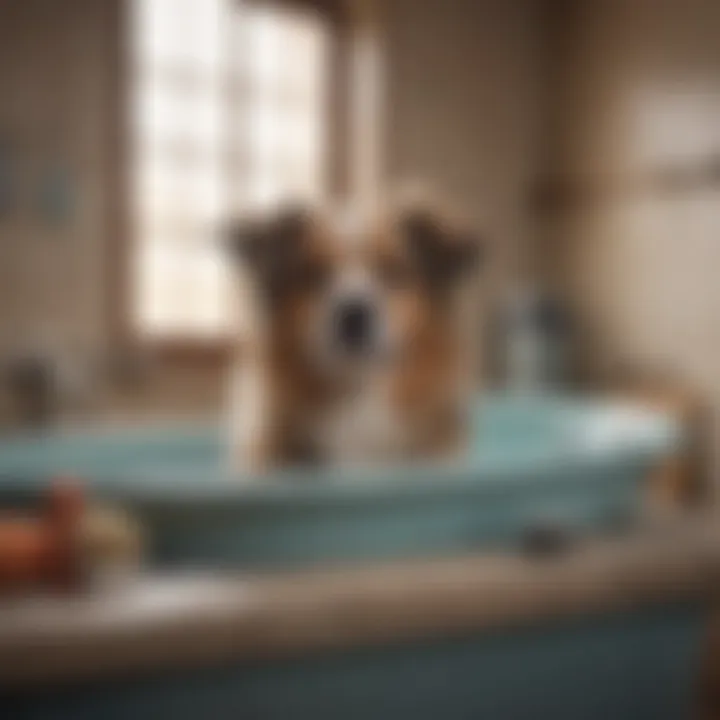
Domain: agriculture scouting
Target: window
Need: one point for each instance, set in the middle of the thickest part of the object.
(229, 107)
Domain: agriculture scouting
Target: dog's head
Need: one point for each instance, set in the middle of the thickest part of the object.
(347, 294)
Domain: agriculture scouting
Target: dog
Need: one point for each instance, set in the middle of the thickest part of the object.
(355, 355)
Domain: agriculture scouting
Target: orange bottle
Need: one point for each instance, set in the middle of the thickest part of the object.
(43, 550)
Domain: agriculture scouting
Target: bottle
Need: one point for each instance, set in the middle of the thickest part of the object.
(536, 340)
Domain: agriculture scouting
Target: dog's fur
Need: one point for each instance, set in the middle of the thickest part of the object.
(298, 395)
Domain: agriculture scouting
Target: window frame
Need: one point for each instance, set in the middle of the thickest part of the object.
(189, 349)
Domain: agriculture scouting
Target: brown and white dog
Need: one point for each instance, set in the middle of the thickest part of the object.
(356, 354)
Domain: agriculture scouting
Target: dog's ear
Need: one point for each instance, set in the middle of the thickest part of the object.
(269, 244)
(446, 250)
(260, 239)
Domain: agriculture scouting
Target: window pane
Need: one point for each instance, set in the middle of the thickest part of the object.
(165, 112)
(165, 190)
(181, 289)
(286, 66)
(226, 115)
(304, 55)
(169, 32)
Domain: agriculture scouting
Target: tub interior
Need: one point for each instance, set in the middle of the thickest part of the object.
(575, 463)
(510, 434)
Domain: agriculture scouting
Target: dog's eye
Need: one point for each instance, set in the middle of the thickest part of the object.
(313, 277)
(395, 273)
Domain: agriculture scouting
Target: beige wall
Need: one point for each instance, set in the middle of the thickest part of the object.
(463, 103)
(56, 85)
(638, 88)
(58, 103)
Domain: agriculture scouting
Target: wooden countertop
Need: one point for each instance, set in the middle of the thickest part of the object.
(181, 621)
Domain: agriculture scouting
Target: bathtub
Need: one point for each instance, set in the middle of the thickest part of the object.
(626, 666)
(570, 463)
(573, 463)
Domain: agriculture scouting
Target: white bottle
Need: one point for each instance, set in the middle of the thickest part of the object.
(524, 345)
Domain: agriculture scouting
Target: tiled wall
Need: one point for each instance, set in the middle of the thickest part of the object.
(57, 99)
(637, 93)
(463, 106)
(56, 85)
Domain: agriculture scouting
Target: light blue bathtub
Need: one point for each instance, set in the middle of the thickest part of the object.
(533, 460)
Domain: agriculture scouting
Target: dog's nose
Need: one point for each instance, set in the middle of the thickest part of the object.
(354, 322)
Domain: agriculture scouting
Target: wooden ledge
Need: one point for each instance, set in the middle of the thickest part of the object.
(170, 622)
